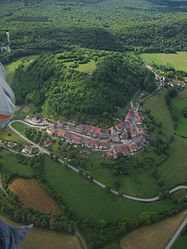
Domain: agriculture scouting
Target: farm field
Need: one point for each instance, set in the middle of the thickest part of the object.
(179, 103)
(11, 68)
(158, 107)
(173, 171)
(155, 236)
(33, 196)
(177, 60)
(47, 239)
(8, 159)
(138, 182)
(91, 202)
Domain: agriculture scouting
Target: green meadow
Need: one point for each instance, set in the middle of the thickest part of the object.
(8, 160)
(91, 202)
(179, 103)
(178, 60)
(11, 68)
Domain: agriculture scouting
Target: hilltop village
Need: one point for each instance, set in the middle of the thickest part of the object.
(126, 137)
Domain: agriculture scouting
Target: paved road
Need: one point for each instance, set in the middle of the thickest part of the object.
(42, 150)
(95, 181)
(176, 235)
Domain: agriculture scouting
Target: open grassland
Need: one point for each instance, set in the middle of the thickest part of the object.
(88, 67)
(33, 196)
(43, 239)
(89, 201)
(8, 135)
(11, 68)
(154, 236)
(178, 60)
(179, 103)
(138, 182)
(9, 161)
(158, 107)
(174, 170)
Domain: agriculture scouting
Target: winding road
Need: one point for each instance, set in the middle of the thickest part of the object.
(95, 181)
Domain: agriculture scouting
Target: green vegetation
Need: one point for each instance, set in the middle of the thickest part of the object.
(15, 165)
(158, 107)
(12, 67)
(137, 25)
(173, 170)
(177, 60)
(65, 92)
(182, 241)
(90, 202)
(179, 104)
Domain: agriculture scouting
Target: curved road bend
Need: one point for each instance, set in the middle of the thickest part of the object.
(96, 182)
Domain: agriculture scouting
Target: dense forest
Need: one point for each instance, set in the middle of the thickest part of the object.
(64, 91)
(138, 25)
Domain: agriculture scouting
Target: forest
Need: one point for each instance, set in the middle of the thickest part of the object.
(140, 26)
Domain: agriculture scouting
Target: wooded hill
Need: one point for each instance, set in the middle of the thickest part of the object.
(64, 91)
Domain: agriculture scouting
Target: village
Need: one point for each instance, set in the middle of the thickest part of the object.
(24, 149)
(127, 137)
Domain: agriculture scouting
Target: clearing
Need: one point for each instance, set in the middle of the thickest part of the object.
(11, 68)
(88, 67)
(32, 195)
(155, 236)
(178, 60)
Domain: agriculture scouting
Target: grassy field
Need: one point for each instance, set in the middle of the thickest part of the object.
(88, 67)
(9, 160)
(138, 182)
(20, 127)
(154, 236)
(89, 201)
(33, 196)
(47, 239)
(11, 68)
(8, 135)
(179, 103)
(177, 60)
(173, 171)
(158, 107)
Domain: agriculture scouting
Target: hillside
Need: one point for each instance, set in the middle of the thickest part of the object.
(64, 91)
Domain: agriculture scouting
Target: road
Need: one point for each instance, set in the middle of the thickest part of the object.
(176, 235)
(42, 150)
(95, 181)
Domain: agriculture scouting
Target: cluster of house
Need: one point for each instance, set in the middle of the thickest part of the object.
(38, 120)
(126, 137)
(24, 149)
